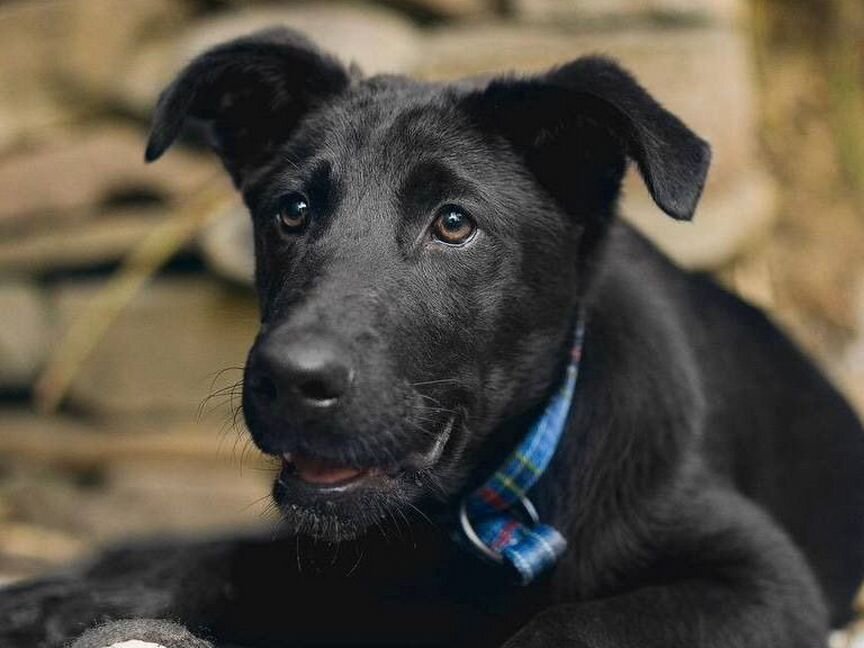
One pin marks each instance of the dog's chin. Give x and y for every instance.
(337, 502)
(336, 517)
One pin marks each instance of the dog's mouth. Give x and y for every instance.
(323, 473)
(309, 475)
(336, 499)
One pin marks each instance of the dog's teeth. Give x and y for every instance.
(286, 456)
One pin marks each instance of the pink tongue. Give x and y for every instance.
(316, 471)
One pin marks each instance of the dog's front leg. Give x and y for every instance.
(738, 584)
(686, 615)
(180, 581)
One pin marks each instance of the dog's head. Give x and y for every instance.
(422, 251)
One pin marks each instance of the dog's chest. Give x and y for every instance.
(402, 595)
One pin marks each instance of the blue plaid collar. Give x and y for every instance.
(497, 518)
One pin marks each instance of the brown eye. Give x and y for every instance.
(453, 226)
(293, 212)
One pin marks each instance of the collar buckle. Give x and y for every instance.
(495, 556)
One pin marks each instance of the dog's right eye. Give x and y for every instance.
(453, 226)
(293, 213)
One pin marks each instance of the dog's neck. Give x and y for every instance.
(493, 516)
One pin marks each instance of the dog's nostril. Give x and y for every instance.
(264, 387)
(319, 390)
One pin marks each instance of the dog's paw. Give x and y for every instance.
(139, 633)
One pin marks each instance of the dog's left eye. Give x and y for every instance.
(453, 226)
(293, 213)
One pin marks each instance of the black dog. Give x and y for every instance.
(424, 255)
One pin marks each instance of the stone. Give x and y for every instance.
(66, 178)
(738, 204)
(426, 9)
(626, 11)
(79, 445)
(24, 330)
(31, 43)
(376, 39)
(84, 200)
(148, 71)
(71, 485)
(227, 245)
(29, 542)
(448, 9)
(96, 58)
(61, 61)
(95, 242)
(165, 351)
(729, 220)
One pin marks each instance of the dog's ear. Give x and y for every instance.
(252, 91)
(576, 125)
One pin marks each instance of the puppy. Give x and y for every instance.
(504, 417)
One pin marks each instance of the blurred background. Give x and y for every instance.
(125, 300)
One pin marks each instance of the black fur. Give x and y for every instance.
(710, 482)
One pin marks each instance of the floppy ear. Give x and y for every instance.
(252, 91)
(577, 123)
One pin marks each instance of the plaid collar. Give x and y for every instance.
(498, 519)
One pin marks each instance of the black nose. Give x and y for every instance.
(291, 370)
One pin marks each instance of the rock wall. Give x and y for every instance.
(79, 79)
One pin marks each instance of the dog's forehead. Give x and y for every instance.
(387, 123)
(393, 142)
